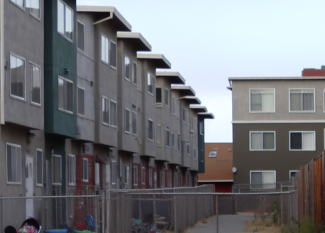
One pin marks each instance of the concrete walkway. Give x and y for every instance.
(205, 227)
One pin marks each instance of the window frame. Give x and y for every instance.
(75, 163)
(78, 49)
(135, 175)
(40, 70)
(39, 184)
(153, 138)
(161, 96)
(301, 140)
(125, 123)
(250, 178)
(107, 100)
(64, 21)
(250, 99)
(21, 8)
(19, 163)
(127, 174)
(106, 49)
(250, 140)
(109, 54)
(134, 124)
(40, 12)
(134, 72)
(15, 96)
(109, 113)
(152, 80)
(124, 69)
(290, 171)
(303, 111)
(58, 156)
(188, 146)
(62, 109)
(167, 97)
(82, 88)
(143, 175)
(114, 173)
(87, 173)
(167, 138)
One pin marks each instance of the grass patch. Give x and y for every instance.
(263, 223)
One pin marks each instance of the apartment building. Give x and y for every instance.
(278, 125)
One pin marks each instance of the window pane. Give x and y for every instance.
(39, 167)
(295, 141)
(81, 32)
(61, 94)
(69, 96)
(9, 164)
(127, 120)
(127, 67)
(68, 23)
(308, 101)
(81, 101)
(268, 178)
(36, 84)
(308, 141)
(268, 141)
(150, 130)
(104, 110)
(158, 95)
(13, 74)
(134, 72)
(60, 17)
(20, 78)
(103, 48)
(34, 6)
(256, 102)
(256, 141)
(113, 55)
(113, 114)
(295, 101)
(134, 123)
(20, 3)
(150, 84)
(268, 102)
(256, 178)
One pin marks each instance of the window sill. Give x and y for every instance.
(150, 93)
(72, 185)
(302, 111)
(127, 132)
(16, 5)
(106, 124)
(113, 67)
(113, 126)
(68, 39)
(104, 62)
(260, 112)
(85, 181)
(13, 183)
(36, 104)
(301, 150)
(264, 150)
(135, 84)
(39, 185)
(66, 111)
(56, 184)
(151, 140)
(35, 17)
(125, 78)
(18, 98)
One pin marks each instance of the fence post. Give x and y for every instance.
(175, 214)
(108, 201)
(217, 224)
(154, 212)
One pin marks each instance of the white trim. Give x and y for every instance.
(290, 171)
(211, 181)
(128, 132)
(64, 21)
(302, 111)
(20, 163)
(39, 184)
(249, 96)
(75, 167)
(109, 113)
(250, 140)
(104, 123)
(108, 49)
(59, 156)
(109, 54)
(40, 71)
(24, 59)
(72, 95)
(301, 140)
(278, 122)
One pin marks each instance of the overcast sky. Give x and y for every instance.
(208, 41)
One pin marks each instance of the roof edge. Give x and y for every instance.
(154, 56)
(170, 74)
(134, 35)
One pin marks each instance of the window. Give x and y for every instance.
(13, 164)
(173, 105)
(35, 7)
(262, 179)
(35, 72)
(104, 49)
(127, 120)
(191, 124)
(194, 152)
(17, 76)
(178, 142)
(72, 170)
(20, 3)
(135, 175)
(56, 170)
(162, 179)
(39, 167)
(134, 74)
(81, 101)
(127, 174)
(81, 36)
(213, 154)
(134, 123)
(262, 100)
(158, 132)
(188, 147)
(121, 167)
(114, 172)
(112, 116)
(304, 140)
(262, 140)
(158, 95)
(155, 179)
(173, 140)
(65, 95)
(85, 170)
(167, 97)
(105, 116)
(167, 137)
(292, 175)
(302, 100)
(150, 177)
(185, 115)
(97, 173)
(201, 126)
(113, 52)
(151, 83)
(127, 68)
(150, 129)
(143, 175)
(65, 20)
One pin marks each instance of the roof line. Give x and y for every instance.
(134, 35)
(153, 56)
(277, 78)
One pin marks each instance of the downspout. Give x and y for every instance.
(105, 19)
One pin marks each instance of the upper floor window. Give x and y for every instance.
(201, 128)
(105, 110)
(127, 68)
(167, 137)
(134, 74)
(150, 129)
(151, 83)
(167, 97)
(104, 49)
(39, 167)
(134, 123)
(56, 170)
(302, 100)
(158, 95)
(17, 76)
(81, 36)
(194, 152)
(65, 20)
(36, 83)
(35, 7)
(114, 172)
(303, 140)
(143, 175)
(112, 113)
(185, 115)
(191, 124)
(19, 3)
(81, 101)
(72, 169)
(113, 54)
(262, 140)
(135, 175)
(188, 147)
(14, 164)
(173, 105)
(65, 95)
(85, 170)
(127, 120)
(127, 174)
(158, 132)
(262, 100)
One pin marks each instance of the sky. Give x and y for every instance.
(209, 41)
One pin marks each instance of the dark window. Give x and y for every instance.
(113, 54)
(81, 101)
(158, 95)
(81, 42)
(296, 142)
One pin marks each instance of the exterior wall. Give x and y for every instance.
(240, 90)
(194, 142)
(201, 144)
(25, 40)
(126, 160)
(282, 160)
(185, 135)
(175, 125)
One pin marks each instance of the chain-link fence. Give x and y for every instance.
(263, 188)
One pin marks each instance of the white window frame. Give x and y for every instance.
(167, 95)
(108, 106)
(14, 2)
(303, 111)
(301, 141)
(127, 174)
(74, 172)
(188, 152)
(40, 11)
(152, 80)
(213, 154)
(19, 163)
(72, 95)
(134, 124)
(106, 50)
(167, 138)
(64, 21)
(82, 88)
(39, 184)
(15, 96)
(110, 53)
(125, 123)
(250, 103)
(114, 172)
(130, 69)
(85, 175)
(134, 72)
(290, 171)
(250, 140)
(250, 178)
(153, 138)
(40, 70)
(58, 156)
(135, 175)
(115, 115)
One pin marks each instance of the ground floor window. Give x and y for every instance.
(262, 179)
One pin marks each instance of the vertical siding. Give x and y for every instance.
(318, 197)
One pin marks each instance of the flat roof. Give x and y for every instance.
(173, 77)
(136, 39)
(159, 59)
(277, 78)
(104, 13)
(198, 108)
(206, 115)
(191, 99)
(186, 90)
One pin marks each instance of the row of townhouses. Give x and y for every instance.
(82, 110)
(278, 126)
